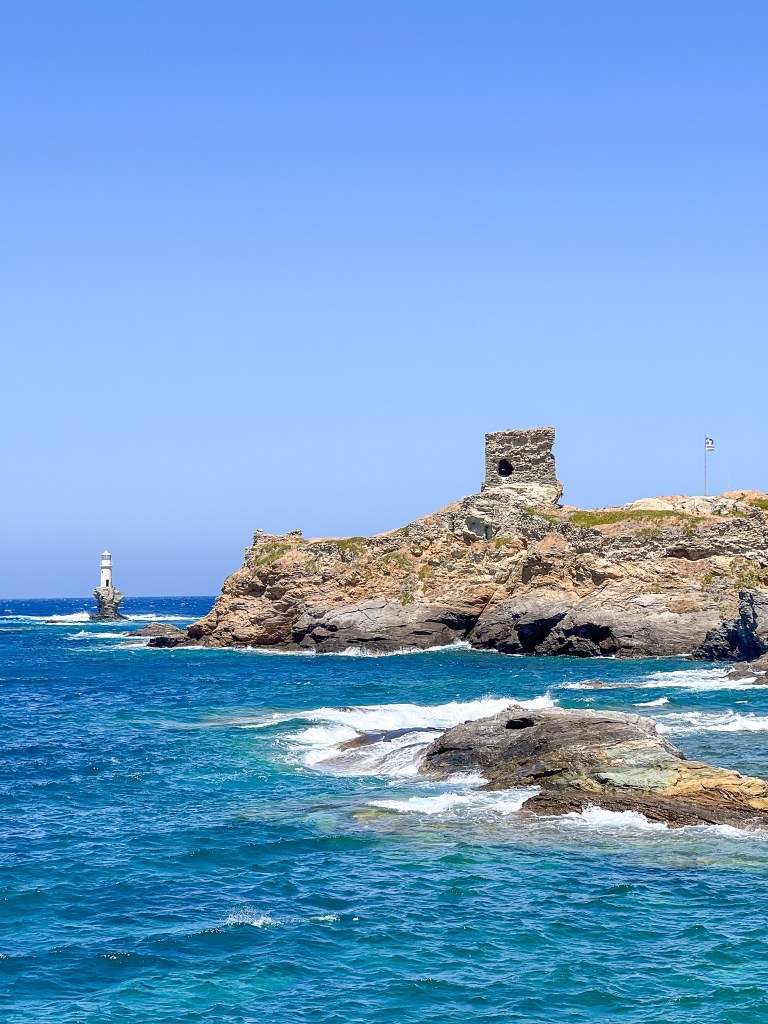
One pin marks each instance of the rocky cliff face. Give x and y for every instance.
(509, 570)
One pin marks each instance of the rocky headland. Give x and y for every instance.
(511, 569)
(608, 759)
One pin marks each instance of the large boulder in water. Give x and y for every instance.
(162, 634)
(605, 758)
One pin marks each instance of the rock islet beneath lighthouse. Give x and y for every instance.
(108, 600)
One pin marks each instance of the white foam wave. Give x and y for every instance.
(658, 703)
(52, 619)
(348, 652)
(385, 717)
(599, 819)
(687, 678)
(367, 652)
(251, 918)
(151, 617)
(400, 756)
(726, 832)
(85, 634)
(687, 722)
(55, 620)
(460, 804)
(694, 679)
(254, 919)
(384, 739)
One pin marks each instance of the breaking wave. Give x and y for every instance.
(348, 652)
(251, 918)
(52, 619)
(688, 722)
(457, 805)
(367, 652)
(71, 617)
(85, 634)
(599, 819)
(381, 739)
(696, 679)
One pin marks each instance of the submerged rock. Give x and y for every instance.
(602, 758)
(752, 671)
(162, 634)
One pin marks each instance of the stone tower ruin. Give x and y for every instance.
(522, 462)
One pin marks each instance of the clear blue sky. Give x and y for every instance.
(282, 264)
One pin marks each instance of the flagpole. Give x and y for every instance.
(705, 465)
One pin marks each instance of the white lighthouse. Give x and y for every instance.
(107, 597)
(106, 569)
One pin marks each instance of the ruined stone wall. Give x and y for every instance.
(520, 457)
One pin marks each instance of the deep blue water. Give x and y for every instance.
(183, 841)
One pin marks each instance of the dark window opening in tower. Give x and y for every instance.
(505, 468)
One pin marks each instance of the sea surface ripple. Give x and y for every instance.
(188, 836)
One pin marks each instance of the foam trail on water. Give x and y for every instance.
(687, 722)
(658, 703)
(250, 917)
(100, 635)
(56, 620)
(379, 717)
(599, 819)
(456, 805)
(348, 652)
(697, 679)
(366, 652)
(53, 619)
(150, 617)
(383, 739)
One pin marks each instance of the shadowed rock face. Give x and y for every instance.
(660, 577)
(607, 759)
(744, 637)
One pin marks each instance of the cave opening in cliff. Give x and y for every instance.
(505, 467)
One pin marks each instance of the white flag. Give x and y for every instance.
(709, 444)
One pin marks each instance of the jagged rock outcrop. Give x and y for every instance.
(743, 638)
(603, 758)
(108, 600)
(658, 577)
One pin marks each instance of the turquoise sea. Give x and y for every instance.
(183, 840)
